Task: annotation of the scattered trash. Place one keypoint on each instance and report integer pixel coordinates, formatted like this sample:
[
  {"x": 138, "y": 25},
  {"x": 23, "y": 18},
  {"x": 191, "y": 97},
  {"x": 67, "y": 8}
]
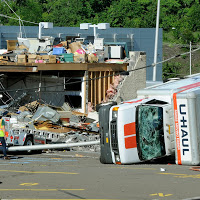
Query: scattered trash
[{"x": 162, "y": 169}]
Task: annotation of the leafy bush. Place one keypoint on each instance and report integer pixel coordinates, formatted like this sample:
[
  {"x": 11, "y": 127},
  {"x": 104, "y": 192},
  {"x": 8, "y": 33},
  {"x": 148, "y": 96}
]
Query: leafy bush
[{"x": 170, "y": 70}]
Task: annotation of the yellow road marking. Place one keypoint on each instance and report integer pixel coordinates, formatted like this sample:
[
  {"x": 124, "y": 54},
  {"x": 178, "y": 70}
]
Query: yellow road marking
[
  {"x": 40, "y": 189},
  {"x": 42, "y": 172},
  {"x": 161, "y": 195},
  {"x": 29, "y": 184},
  {"x": 153, "y": 194},
  {"x": 167, "y": 195},
  {"x": 182, "y": 175},
  {"x": 134, "y": 168},
  {"x": 172, "y": 174},
  {"x": 79, "y": 155}
]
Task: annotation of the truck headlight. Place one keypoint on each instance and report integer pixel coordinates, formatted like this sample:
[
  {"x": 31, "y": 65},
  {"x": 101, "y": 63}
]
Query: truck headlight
[{"x": 115, "y": 112}]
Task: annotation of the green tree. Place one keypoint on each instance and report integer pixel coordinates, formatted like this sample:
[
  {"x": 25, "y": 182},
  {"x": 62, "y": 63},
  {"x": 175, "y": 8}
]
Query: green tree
[
  {"x": 29, "y": 10},
  {"x": 67, "y": 13}
]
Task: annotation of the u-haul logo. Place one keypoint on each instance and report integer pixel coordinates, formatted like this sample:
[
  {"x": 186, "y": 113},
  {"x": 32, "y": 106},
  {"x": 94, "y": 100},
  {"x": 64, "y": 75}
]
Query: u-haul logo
[
  {"x": 182, "y": 131},
  {"x": 183, "y": 145}
]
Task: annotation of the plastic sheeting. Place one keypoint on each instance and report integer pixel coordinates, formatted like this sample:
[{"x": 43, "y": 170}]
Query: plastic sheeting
[{"x": 151, "y": 135}]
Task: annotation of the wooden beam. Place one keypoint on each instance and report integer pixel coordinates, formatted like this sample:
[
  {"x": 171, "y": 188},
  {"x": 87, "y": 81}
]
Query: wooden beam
[
  {"x": 84, "y": 78},
  {"x": 92, "y": 88},
  {"x": 113, "y": 77},
  {"x": 106, "y": 67},
  {"x": 61, "y": 66},
  {"x": 109, "y": 79},
  {"x": 18, "y": 69},
  {"x": 16, "y": 64},
  {"x": 69, "y": 66},
  {"x": 95, "y": 89},
  {"x": 82, "y": 66},
  {"x": 100, "y": 88},
  {"x": 104, "y": 86}
]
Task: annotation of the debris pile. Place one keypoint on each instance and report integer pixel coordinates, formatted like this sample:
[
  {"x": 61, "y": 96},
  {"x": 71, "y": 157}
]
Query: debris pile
[
  {"x": 50, "y": 125},
  {"x": 32, "y": 50}
]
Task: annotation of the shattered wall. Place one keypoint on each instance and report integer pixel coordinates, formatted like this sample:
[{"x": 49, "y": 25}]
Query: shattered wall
[
  {"x": 30, "y": 85},
  {"x": 49, "y": 88},
  {"x": 127, "y": 89}
]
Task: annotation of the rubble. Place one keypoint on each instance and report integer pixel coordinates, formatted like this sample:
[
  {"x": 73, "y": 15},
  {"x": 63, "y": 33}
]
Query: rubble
[{"x": 58, "y": 124}]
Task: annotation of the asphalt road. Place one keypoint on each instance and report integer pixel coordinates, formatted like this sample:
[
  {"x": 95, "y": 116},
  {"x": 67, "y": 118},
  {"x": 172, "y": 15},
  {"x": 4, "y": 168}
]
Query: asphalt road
[{"x": 79, "y": 175}]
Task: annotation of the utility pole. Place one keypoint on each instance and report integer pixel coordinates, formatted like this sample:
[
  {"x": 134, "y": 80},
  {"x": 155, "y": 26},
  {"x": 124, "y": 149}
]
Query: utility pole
[
  {"x": 156, "y": 41},
  {"x": 190, "y": 58}
]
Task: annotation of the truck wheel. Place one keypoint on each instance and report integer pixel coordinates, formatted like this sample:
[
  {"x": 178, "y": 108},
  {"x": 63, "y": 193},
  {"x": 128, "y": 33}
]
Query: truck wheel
[{"x": 28, "y": 142}]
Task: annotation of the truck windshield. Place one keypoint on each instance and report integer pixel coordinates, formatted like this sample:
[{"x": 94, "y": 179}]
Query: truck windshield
[{"x": 149, "y": 134}]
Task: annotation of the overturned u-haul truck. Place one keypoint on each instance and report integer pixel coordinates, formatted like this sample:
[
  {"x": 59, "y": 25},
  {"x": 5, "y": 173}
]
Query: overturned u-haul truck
[{"x": 162, "y": 121}]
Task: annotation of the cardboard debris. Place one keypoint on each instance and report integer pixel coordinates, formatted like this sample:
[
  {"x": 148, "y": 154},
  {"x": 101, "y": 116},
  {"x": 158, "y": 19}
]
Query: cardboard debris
[
  {"x": 64, "y": 43},
  {"x": 22, "y": 47},
  {"x": 11, "y": 44},
  {"x": 32, "y": 58},
  {"x": 92, "y": 58},
  {"x": 74, "y": 46},
  {"x": 79, "y": 58},
  {"x": 49, "y": 58},
  {"x": 22, "y": 58}
]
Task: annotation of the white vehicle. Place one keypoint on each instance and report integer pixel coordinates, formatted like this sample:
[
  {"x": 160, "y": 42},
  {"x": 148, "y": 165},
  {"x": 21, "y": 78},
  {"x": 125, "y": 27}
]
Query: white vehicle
[{"x": 162, "y": 121}]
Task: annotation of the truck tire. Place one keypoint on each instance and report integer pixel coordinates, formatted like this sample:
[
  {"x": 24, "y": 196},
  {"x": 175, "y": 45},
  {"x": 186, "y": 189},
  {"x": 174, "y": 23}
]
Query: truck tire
[{"x": 28, "y": 142}]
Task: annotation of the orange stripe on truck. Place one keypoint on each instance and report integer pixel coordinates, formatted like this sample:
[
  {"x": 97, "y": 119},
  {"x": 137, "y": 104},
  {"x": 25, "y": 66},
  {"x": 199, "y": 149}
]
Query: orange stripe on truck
[
  {"x": 130, "y": 135},
  {"x": 177, "y": 129},
  {"x": 130, "y": 142},
  {"x": 129, "y": 129}
]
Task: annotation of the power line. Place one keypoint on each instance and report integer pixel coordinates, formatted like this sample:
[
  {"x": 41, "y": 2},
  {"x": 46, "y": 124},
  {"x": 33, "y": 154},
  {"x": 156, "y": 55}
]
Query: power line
[{"x": 17, "y": 19}]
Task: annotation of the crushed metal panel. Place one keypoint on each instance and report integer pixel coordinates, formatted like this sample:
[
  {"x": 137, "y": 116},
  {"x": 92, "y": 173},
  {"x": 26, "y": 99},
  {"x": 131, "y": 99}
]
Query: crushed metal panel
[{"x": 45, "y": 113}]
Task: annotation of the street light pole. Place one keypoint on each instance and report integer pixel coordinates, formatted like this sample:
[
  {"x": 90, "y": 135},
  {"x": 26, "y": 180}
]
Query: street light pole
[
  {"x": 95, "y": 32},
  {"x": 156, "y": 41},
  {"x": 190, "y": 57}
]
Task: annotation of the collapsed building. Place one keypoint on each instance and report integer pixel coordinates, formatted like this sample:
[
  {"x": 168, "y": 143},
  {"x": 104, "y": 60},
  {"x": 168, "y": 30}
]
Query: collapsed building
[{"x": 73, "y": 82}]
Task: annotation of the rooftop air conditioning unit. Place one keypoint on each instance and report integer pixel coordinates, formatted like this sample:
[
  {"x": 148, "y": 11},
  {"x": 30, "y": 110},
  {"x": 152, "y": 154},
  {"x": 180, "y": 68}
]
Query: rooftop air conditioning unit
[{"x": 116, "y": 52}]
